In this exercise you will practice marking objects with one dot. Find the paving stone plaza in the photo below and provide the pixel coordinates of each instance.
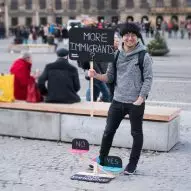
(33, 165)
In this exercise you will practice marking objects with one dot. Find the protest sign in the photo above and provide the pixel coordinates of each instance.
(91, 44)
(80, 146)
(113, 161)
(87, 44)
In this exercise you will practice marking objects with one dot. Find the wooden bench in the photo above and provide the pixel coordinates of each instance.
(33, 48)
(67, 121)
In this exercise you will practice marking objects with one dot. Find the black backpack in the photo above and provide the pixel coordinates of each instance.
(140, 63)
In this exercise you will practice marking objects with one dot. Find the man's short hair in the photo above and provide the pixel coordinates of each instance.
(130, 28)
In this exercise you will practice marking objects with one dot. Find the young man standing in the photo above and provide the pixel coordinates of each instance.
(129, 94)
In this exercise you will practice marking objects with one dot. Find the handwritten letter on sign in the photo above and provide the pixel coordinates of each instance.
(80, 144)
(113, 161)
(88, 43)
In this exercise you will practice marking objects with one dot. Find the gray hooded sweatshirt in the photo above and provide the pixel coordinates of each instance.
(129, 85)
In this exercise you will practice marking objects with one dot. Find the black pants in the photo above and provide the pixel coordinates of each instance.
(116, 113)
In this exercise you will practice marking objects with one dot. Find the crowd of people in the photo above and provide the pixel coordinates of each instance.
(2, 31)
(175, 30)
(43, 34)
(54, 33)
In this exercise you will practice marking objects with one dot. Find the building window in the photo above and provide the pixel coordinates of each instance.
(28, 4)
(28, 21)
(174, 3)
(72, 17)
(100, 4)
(159, 3)
(14, 4)
(59, 20)
(72, 4)
(129, 3)
(114, 4)
(42, 4)
(86, 4)
(14, 21)
(189, 3)
(58, 4)
(43, 21)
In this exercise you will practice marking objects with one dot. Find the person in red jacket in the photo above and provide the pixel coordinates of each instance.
(21, 69)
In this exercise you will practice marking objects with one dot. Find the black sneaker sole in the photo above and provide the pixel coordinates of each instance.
(129, 173)
(91, 167)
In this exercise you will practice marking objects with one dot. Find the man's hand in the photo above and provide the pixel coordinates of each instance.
(139, 101)
(92, 73)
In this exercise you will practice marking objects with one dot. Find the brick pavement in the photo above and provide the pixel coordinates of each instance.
(31, 165)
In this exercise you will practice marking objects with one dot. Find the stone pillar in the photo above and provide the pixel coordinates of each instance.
(6, 17)
(137, 4)
(65, 8)
(37, 19)
(36, 8)
(152, 19)
(50, 11)
(66, 4)
(21, 5)
(21, 21)
(182, 3)
(167, 3)
(93, 5)
(121, 5)
(152, 3)
(79, 6)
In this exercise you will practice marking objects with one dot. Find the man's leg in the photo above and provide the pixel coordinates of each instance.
(104, 91)
(136, 119)
(115, 115)
(96, 93)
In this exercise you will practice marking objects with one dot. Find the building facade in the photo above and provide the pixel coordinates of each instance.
(36, 12)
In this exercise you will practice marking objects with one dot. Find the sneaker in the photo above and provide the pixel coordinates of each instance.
(130, 169)
(91, 166)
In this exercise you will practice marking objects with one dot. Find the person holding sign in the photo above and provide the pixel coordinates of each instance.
(130, 93)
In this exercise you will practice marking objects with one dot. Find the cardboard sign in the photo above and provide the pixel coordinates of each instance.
(113, 161)
(86, 44)
(80, 144)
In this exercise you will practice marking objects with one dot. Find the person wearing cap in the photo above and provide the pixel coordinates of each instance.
(62, 80)
(21, 69)
(130, 93)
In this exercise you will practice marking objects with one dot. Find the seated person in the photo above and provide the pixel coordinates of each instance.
(98, 86)
(21, 69)
(62, 80)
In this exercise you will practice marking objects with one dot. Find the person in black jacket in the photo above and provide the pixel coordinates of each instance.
(62, 80)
